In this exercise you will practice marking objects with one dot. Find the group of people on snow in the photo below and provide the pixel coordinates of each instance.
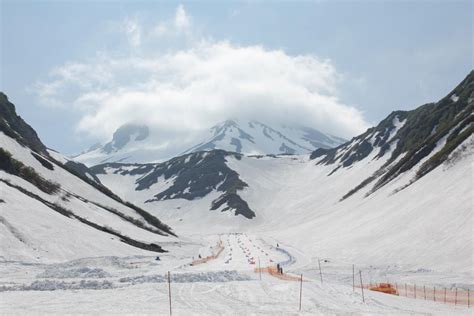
(279, 268)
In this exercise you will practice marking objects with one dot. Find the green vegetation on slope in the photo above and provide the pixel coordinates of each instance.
(17, 168)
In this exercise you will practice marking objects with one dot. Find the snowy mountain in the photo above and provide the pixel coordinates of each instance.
(256, 138)
(401, 182)
(129, 142)
(134, 143)
(53, 209)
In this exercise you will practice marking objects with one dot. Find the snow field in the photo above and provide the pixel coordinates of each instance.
(138, 285)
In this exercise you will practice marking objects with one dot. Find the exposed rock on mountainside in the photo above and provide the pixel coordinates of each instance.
(192, 176)
(427, 134)
(15, 127)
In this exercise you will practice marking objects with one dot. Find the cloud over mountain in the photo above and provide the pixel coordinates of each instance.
(192, 88)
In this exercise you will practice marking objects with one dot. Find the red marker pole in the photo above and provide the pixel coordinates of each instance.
(169, 289)
(320, 272)
(301, 289)
(353, 278)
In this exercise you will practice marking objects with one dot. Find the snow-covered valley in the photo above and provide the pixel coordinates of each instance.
(393, 205)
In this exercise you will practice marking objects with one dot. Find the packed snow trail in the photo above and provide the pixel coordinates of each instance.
(240, 252)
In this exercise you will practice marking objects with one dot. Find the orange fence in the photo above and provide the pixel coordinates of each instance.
(429, 293)
(211, 257)
(273, 271)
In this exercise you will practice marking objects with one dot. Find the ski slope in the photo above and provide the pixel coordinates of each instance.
(138, 285)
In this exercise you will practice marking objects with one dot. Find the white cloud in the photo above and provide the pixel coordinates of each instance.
(180, 24)
(160, 29)
(132, 29)
(195, 88)
(181, 19)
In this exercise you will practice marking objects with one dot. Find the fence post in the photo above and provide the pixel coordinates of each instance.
(434, 293)
(406, 292)
(444, 295)
(415, 290)
(259, 269)
(468, 298)
(424, 291)
(362, 286)
(456, 297)
(169, 289)
(320, 272)
(301, 289)
(353, 278)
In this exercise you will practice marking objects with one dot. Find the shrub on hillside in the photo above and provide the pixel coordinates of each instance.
(17, 168)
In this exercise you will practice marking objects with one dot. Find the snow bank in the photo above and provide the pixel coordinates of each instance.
(211, 276)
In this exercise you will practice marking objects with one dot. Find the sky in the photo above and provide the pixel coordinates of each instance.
(77, 70)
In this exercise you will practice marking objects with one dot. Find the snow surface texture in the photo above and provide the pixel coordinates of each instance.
(138, 144)
(138, 284)
(32, 230)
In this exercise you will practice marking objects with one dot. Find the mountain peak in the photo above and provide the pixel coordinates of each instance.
(12, 125)
(124, 134)
(255, 137)
(137, 144)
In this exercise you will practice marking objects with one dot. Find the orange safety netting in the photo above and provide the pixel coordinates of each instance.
(430, 293)
(273, 271)
(211, 257)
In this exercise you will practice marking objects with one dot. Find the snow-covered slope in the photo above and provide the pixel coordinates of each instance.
(137, 144)
(395, 194)
(51, 210)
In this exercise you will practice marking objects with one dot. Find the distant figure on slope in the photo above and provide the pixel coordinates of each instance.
(199, 256)
(278, 246)
(278, 268)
